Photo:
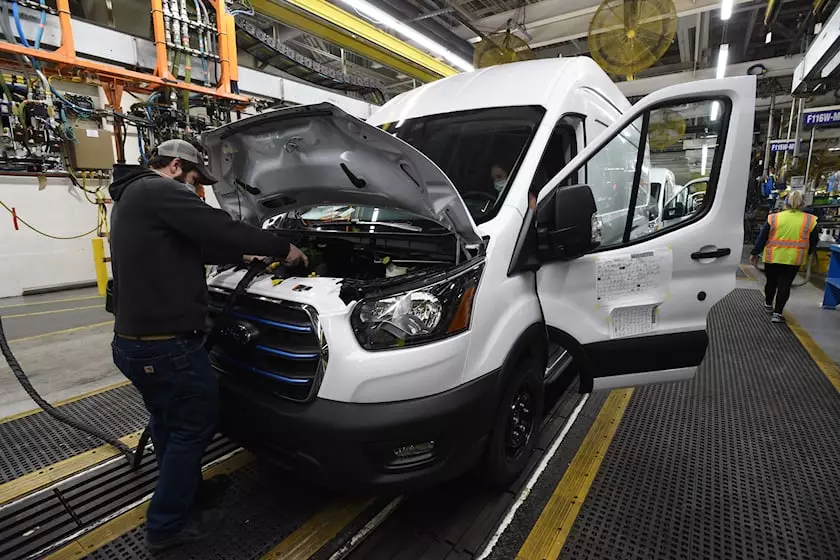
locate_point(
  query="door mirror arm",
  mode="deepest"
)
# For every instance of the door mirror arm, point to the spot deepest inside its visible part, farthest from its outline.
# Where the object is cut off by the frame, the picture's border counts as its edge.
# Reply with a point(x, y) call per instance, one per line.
point(568, 226)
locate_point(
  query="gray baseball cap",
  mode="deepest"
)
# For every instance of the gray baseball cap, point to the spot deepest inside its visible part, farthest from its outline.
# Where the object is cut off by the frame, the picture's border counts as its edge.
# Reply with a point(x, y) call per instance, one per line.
point(184, 150)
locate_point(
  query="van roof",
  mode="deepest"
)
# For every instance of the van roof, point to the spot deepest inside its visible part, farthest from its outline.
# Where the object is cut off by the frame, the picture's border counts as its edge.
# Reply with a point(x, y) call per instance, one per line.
point(535, 82)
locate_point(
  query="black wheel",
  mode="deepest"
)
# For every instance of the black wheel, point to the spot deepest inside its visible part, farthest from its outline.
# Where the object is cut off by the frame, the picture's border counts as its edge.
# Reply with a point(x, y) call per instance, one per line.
point(517, 425)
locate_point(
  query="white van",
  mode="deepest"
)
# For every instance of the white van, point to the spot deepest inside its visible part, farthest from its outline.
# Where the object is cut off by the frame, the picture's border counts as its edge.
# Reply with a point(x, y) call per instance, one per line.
point(441, 298)
point(663, 185)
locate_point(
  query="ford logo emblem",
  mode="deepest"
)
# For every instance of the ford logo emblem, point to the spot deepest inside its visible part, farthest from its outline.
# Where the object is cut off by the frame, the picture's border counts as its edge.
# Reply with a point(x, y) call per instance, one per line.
point(237, 335)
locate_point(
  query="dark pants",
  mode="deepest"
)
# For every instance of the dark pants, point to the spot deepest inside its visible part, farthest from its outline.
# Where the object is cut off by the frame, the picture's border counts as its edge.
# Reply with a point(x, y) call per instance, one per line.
point(779, 279)
point(181, 393)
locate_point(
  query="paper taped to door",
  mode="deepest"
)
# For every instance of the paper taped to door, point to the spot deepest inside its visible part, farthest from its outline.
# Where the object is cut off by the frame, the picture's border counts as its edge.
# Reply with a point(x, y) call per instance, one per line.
point(632, 321)
point(633, 278)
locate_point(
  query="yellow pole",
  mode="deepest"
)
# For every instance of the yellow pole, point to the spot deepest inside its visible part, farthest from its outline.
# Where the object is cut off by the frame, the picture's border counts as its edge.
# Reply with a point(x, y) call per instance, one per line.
point(99, 265)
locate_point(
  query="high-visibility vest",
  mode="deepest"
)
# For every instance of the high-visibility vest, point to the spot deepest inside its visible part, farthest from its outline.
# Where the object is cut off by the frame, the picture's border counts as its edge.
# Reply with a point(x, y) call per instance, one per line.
point(789, 237)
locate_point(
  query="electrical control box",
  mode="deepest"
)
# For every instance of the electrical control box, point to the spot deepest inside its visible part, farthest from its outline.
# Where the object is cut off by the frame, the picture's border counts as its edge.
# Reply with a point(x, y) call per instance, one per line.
point(93, 149)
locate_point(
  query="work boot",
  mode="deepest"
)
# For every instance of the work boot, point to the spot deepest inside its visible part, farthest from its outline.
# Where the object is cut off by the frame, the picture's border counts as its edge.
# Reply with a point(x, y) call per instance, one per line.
point(768, 308)
point(197, 528)
point(211, 491)
point(778, 318)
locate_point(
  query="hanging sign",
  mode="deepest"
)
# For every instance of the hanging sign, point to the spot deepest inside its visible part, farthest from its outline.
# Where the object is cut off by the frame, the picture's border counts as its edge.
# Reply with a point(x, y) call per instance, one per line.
point(821, 116)
point(782, 145)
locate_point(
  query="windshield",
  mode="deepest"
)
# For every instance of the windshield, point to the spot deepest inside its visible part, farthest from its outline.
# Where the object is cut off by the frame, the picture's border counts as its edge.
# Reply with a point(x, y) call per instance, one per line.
point(478, 150)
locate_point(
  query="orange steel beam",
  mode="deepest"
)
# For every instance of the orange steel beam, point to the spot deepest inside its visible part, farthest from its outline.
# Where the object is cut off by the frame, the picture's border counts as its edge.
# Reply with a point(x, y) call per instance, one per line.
point(110, 71)
point(161, 64)
point(224, 47)
point(68, 46)
point(232, 54)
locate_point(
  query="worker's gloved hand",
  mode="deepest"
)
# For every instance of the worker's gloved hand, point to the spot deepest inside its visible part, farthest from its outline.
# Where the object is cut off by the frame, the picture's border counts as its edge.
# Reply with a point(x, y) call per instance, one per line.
point(296, 257)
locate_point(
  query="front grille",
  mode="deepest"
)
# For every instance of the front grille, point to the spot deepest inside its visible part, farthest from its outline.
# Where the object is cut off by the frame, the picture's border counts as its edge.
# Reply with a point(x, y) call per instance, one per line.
point(283, 354)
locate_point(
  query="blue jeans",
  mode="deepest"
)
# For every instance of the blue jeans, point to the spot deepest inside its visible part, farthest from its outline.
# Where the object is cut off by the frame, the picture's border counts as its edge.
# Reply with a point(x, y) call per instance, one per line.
point(181, 393)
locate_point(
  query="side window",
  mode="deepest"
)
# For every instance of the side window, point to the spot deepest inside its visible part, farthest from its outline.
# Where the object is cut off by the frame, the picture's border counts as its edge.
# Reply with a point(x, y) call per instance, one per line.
point(682, 141)
point(560, 149)
point(612, 172)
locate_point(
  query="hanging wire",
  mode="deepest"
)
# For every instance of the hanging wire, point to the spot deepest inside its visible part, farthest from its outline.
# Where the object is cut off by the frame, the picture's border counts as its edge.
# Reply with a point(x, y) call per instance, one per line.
point(38, 231)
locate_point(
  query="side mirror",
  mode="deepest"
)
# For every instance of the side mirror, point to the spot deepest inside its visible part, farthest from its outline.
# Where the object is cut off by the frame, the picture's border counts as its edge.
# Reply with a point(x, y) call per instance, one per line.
point(675, 211)
point(567, 224)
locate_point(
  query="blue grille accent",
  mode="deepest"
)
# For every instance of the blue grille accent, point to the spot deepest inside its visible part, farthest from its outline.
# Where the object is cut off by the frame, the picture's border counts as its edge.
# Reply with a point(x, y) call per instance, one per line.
point(259, 371)
point(286, 326)
point(285, 354)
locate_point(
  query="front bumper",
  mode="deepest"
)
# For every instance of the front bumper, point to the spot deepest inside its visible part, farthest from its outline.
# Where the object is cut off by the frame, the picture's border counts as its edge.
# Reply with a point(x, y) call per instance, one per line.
point(350, 446)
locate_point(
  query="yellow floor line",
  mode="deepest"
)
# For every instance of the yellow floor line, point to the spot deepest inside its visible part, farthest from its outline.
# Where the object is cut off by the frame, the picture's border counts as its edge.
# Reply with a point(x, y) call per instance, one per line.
point(549, 533)
point(318, 531)
point(68, 400)
point(98, 306)
point(824, 362)
point(63, 331)
point(33, 481)
point(45, 302)
point(122, 524)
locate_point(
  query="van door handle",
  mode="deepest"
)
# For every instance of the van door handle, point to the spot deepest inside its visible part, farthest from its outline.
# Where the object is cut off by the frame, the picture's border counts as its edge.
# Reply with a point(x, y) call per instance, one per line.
point(697, 255)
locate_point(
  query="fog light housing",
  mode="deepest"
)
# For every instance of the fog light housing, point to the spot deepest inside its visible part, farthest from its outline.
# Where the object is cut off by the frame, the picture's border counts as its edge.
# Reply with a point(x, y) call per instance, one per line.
point(414, 449)
point(413, 454)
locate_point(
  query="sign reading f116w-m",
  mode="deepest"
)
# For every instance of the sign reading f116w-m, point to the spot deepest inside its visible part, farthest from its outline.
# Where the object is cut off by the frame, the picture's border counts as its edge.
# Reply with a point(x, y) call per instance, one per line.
point(821, 116)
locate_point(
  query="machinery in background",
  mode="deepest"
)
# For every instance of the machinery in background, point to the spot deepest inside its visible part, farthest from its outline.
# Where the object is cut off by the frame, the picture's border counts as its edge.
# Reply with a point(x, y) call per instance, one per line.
point(45, 130)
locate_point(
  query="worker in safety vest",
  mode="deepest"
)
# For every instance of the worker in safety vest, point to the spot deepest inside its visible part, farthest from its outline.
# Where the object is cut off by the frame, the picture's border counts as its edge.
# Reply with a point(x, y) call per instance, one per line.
point(787, 239)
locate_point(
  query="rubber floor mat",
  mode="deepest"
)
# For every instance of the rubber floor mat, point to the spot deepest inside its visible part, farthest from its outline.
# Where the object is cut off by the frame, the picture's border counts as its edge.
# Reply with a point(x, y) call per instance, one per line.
point(36, 441)
point(741, 462)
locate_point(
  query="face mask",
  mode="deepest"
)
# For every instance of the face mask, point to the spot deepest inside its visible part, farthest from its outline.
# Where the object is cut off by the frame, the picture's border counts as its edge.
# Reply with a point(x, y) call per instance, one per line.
point(182, 178)
point(499, 184)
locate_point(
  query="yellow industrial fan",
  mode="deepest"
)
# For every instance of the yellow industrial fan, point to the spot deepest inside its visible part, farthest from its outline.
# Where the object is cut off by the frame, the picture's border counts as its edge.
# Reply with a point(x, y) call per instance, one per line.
point(627, 36)
point(666, 129)
point(501, 48)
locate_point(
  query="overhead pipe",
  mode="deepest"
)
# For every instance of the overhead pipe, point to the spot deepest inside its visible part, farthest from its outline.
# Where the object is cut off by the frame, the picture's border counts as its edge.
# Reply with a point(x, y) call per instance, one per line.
point(175, 34)
point(778, 158)
point(789, 130)
point(769, 135)
point(798, 137)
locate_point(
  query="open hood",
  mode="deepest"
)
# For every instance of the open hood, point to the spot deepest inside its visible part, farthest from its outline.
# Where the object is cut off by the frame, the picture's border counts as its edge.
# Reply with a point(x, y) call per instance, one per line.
point(318, 154)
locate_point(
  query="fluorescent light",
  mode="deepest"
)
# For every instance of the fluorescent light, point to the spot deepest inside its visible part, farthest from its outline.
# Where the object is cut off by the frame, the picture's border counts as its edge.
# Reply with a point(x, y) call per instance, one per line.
point(382, 18)
point(768, 37)
point(715, 110)
point(704, 158)
point(726, 9)
point(375, 215)
point(723, 54)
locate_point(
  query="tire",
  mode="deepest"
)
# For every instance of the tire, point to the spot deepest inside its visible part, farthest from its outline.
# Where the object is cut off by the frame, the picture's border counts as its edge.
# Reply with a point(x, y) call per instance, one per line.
point(517, 425)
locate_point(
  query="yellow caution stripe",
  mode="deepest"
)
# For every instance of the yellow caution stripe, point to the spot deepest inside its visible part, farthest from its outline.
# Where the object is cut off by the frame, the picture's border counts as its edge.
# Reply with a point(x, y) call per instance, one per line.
point(134, 517)
point(549, 533)
point(18, 315)
point(318, 531)
point(824, 362)
point(68, 400)
point(31, 482)
point(49, 301)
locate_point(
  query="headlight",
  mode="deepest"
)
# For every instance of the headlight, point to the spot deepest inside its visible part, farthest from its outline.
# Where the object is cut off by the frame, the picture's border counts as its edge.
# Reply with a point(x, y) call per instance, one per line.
point(417, 316)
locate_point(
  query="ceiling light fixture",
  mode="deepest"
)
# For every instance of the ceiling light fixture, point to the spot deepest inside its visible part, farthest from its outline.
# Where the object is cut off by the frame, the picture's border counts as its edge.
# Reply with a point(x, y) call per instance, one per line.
point(768, 37)
point(704, 158)
point(726, 9)
point(378, 16)
point(723, 55)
